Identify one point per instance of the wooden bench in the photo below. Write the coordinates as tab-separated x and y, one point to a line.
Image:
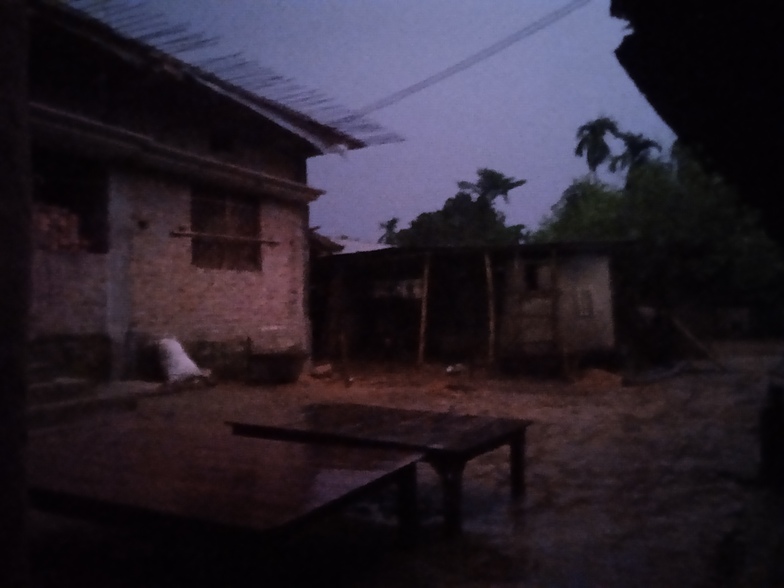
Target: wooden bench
128	471
446	440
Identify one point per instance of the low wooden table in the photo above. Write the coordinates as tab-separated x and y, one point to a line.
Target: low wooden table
130	472
447	440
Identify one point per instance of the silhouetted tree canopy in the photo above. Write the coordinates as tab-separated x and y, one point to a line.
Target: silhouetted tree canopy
686	236
469	218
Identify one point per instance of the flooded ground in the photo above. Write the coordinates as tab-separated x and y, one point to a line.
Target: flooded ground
646	486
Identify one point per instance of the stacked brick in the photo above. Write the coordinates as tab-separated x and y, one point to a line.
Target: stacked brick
56	229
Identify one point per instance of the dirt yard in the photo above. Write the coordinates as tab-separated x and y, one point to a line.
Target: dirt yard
645	486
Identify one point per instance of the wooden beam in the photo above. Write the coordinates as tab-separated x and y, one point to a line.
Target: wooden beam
423	310
490	309
342	324
560	343
223	238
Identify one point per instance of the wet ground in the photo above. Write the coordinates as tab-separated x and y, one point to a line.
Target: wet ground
646	486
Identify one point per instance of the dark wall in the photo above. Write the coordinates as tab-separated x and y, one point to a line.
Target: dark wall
711	70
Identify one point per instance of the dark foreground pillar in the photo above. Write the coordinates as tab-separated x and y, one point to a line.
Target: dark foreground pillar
771	430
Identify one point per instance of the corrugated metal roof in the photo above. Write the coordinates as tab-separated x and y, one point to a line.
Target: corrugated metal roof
137	31
381	252
357	246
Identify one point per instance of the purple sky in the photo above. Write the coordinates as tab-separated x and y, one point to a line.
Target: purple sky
516	112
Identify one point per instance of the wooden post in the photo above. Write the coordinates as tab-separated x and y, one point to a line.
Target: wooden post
490	310
423	310
558	339
337	343
342	327
679	326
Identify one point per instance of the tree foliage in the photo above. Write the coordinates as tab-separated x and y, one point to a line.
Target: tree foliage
591	141
587	211
637	151
469	218
687	236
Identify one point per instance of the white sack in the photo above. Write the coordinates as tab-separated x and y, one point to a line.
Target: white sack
176	363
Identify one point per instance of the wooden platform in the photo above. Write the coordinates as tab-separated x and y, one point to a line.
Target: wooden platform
447	440
124	470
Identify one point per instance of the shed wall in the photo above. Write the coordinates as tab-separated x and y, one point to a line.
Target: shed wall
568	310
585	303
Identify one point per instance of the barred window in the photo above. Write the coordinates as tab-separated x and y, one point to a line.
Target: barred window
225	232
70	204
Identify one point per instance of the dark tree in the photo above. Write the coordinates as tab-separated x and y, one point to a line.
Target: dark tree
469	218
687	238
592	141
637	152
390	231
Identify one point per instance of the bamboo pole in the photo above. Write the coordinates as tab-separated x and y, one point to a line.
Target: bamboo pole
338	336
423	310
490	310
679	326
558	339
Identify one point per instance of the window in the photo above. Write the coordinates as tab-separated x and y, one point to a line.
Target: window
225	232
70	204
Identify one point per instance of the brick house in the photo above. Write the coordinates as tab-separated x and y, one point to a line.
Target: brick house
167	202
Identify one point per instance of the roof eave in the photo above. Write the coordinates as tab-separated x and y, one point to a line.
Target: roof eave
322	137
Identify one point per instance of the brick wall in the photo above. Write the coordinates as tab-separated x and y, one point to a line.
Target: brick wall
69	293
146	286
170	296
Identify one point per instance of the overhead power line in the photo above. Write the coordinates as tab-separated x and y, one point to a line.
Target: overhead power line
486	53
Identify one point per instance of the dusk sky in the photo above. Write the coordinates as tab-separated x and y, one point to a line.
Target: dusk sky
516	112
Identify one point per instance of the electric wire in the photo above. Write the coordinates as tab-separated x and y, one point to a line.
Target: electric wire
536	26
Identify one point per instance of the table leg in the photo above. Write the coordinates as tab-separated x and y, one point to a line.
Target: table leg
517	463
407	512
451	474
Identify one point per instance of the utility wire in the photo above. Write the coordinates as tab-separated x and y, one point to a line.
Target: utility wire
497	47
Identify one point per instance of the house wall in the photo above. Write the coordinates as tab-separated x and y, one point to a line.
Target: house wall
172	297
69	293
146	287
109	110
67	321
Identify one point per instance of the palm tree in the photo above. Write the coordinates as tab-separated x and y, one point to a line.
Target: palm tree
490	185
591	141
638	151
